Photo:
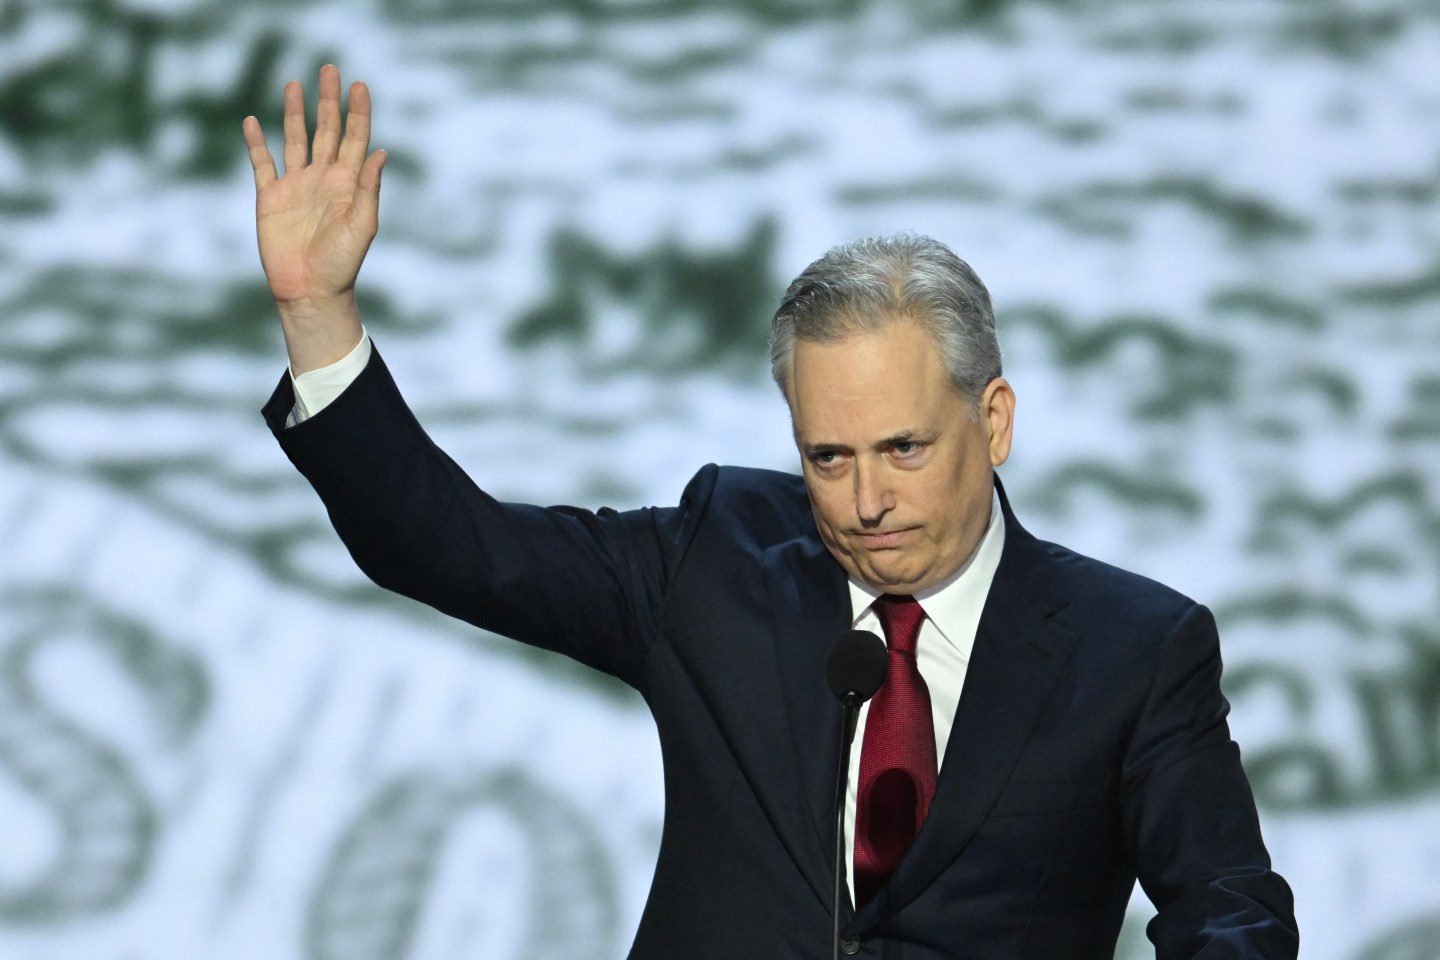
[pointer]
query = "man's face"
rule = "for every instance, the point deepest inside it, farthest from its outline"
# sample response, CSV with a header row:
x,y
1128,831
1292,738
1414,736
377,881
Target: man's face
x,y
899,470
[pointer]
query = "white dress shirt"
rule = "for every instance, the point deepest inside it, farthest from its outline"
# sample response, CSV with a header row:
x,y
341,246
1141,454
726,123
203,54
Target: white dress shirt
x,y
942,651
315,390
952,609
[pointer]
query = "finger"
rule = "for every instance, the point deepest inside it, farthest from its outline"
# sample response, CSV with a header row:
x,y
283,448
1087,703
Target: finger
x,y
367,194
295,147
260,160
327,116
357,127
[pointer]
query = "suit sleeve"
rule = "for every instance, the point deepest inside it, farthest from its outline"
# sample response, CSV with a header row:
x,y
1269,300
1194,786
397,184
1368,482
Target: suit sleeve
x,y
586,584
1190,818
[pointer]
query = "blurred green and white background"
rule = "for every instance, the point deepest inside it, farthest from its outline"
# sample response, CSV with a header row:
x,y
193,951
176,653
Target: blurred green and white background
x,y
1212,230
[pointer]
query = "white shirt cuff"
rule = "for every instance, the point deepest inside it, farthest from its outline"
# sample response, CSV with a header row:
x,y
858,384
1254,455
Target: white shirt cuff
x,y
317,389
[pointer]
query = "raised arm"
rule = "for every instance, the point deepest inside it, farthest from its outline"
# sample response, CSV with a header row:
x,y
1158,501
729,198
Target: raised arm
x,y
315,223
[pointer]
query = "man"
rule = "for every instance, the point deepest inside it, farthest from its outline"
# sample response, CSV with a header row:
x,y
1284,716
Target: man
x,y
1050,727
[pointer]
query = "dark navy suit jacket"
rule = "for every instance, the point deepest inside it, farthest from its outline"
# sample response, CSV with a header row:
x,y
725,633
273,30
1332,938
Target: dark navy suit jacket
x,y
1089,747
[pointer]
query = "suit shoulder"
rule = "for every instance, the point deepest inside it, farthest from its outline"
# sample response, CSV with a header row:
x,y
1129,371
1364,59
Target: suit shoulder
x,y
1100,591
767,506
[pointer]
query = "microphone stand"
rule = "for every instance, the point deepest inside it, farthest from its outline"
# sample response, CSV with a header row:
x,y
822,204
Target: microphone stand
x,y
851,718
856,669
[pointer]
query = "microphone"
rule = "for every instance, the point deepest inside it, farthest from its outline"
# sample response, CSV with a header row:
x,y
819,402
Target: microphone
x,y
856,669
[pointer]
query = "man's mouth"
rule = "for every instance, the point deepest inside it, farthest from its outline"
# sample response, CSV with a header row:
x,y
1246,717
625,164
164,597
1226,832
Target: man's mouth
x,y
883,539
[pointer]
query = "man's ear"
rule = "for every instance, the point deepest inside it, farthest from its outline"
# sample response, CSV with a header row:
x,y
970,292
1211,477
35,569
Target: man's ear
x,y
997,410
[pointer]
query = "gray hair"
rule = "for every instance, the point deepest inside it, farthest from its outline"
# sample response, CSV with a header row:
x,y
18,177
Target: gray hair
x,y
865,285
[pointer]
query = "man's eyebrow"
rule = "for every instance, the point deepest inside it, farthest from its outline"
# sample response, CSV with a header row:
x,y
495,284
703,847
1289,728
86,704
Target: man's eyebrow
x,y
906,436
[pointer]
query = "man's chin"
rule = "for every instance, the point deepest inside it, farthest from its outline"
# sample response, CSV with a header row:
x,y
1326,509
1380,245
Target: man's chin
x,y
888,570
887,578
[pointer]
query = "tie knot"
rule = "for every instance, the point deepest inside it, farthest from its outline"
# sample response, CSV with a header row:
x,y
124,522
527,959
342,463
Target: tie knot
x,y
900,618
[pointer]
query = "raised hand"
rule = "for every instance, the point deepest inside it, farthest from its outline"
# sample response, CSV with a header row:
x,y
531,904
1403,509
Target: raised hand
x,y
315,223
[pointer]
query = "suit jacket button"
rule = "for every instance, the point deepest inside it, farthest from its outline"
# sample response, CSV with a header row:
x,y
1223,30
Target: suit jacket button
x,y
850,946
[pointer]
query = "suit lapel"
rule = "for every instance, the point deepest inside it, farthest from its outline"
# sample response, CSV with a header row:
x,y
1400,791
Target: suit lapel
x,y
810,607
1019,654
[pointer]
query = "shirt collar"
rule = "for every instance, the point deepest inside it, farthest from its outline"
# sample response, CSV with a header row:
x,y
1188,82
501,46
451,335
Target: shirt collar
x,y
952,606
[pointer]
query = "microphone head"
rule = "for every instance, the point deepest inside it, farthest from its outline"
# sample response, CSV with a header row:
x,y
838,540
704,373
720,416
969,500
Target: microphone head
x,y
857,665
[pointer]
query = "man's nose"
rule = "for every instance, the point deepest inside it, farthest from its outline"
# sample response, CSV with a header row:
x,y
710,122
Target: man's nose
x,y
873,496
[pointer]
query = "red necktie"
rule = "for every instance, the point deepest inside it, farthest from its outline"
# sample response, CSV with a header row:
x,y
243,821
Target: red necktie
x,y
897,758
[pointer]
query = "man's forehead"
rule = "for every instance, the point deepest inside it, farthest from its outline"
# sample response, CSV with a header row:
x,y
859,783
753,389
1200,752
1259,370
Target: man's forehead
x,y
849,419
896,367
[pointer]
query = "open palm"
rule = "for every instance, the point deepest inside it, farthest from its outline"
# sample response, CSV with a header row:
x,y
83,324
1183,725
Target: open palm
x,y
315,223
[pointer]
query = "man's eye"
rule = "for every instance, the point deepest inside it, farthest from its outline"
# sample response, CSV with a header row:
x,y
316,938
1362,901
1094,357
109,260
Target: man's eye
x,y
906,448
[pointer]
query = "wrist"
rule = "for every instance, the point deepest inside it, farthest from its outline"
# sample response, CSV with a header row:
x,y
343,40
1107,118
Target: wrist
x,y
306,313
319,332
